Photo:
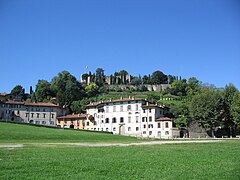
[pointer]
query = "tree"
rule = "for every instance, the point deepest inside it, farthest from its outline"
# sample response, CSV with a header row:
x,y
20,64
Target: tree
x,y
228,98
235,110
43,91
136,81
178,87
99,77
17,90
66,88
145,79
159,77
205,108
123,74
85,77
91,89
193,86
19,93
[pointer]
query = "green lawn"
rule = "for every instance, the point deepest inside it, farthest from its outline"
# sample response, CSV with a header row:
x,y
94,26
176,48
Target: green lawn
x,y
177,161
217,160
17,133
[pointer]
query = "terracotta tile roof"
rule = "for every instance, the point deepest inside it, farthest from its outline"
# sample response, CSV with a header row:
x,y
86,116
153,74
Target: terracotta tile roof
x,y
151,105
73,116
164,119
93,104
32,103
14,102
40,104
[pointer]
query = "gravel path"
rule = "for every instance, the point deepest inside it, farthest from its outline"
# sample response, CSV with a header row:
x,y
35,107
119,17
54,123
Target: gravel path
x,y
109,144
133,144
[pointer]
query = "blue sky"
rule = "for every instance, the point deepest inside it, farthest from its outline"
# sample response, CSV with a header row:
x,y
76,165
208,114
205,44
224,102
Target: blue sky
x,y
40,38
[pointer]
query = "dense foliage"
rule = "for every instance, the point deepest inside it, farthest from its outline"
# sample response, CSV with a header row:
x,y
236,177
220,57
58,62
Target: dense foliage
x,y
189,100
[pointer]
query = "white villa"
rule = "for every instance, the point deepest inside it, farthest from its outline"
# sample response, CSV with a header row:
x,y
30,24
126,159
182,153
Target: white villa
x,y
130,116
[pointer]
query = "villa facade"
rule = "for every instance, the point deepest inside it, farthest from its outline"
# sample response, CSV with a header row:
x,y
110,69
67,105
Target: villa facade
x,y
29,112
130,116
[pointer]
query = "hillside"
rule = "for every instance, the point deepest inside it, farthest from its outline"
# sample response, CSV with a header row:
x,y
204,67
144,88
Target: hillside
x,y
18,133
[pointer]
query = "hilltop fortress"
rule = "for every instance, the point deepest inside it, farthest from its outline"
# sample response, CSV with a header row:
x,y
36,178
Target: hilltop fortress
x,y
124,81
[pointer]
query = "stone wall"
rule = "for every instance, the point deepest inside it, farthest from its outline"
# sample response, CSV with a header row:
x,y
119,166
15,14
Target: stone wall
x,y
149,87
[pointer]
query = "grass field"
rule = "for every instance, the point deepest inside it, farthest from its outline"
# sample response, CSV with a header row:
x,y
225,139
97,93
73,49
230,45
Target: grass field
x,y
17,133
219,160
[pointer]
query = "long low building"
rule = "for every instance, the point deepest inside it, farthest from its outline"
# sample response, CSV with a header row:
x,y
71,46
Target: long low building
x,y
132,117
31,112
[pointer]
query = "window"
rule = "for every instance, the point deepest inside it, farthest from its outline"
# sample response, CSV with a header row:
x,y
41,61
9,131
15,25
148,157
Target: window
x,y
102,129
144,110
107,109
136,107
167,133
144,132
166,124
107,120
143,119
150,125
137,128
150,118
106,129
137,119
51,122
87,123
121,108
150,110
95,123
121,120
150,132
32,115
37,115
114,108
129,128
129,107
52,115
159,125
26,115
43,109
114,129
102,121
37,122
44,115
43,122
18,112
129,119
114,120
144,126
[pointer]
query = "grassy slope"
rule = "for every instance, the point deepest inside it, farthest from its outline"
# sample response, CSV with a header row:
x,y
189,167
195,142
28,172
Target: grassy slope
x,y
16,133
178,161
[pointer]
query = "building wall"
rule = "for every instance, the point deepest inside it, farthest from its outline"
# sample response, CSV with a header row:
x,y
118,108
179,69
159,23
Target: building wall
x,y
129,118
30,114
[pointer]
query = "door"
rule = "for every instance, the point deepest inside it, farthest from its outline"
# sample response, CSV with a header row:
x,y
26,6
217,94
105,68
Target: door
x,y
122,130
159,134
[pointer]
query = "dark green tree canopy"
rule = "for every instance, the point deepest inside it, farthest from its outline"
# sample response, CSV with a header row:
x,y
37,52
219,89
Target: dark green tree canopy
x,y
43,91
158,77
66,88
205,108
17,90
